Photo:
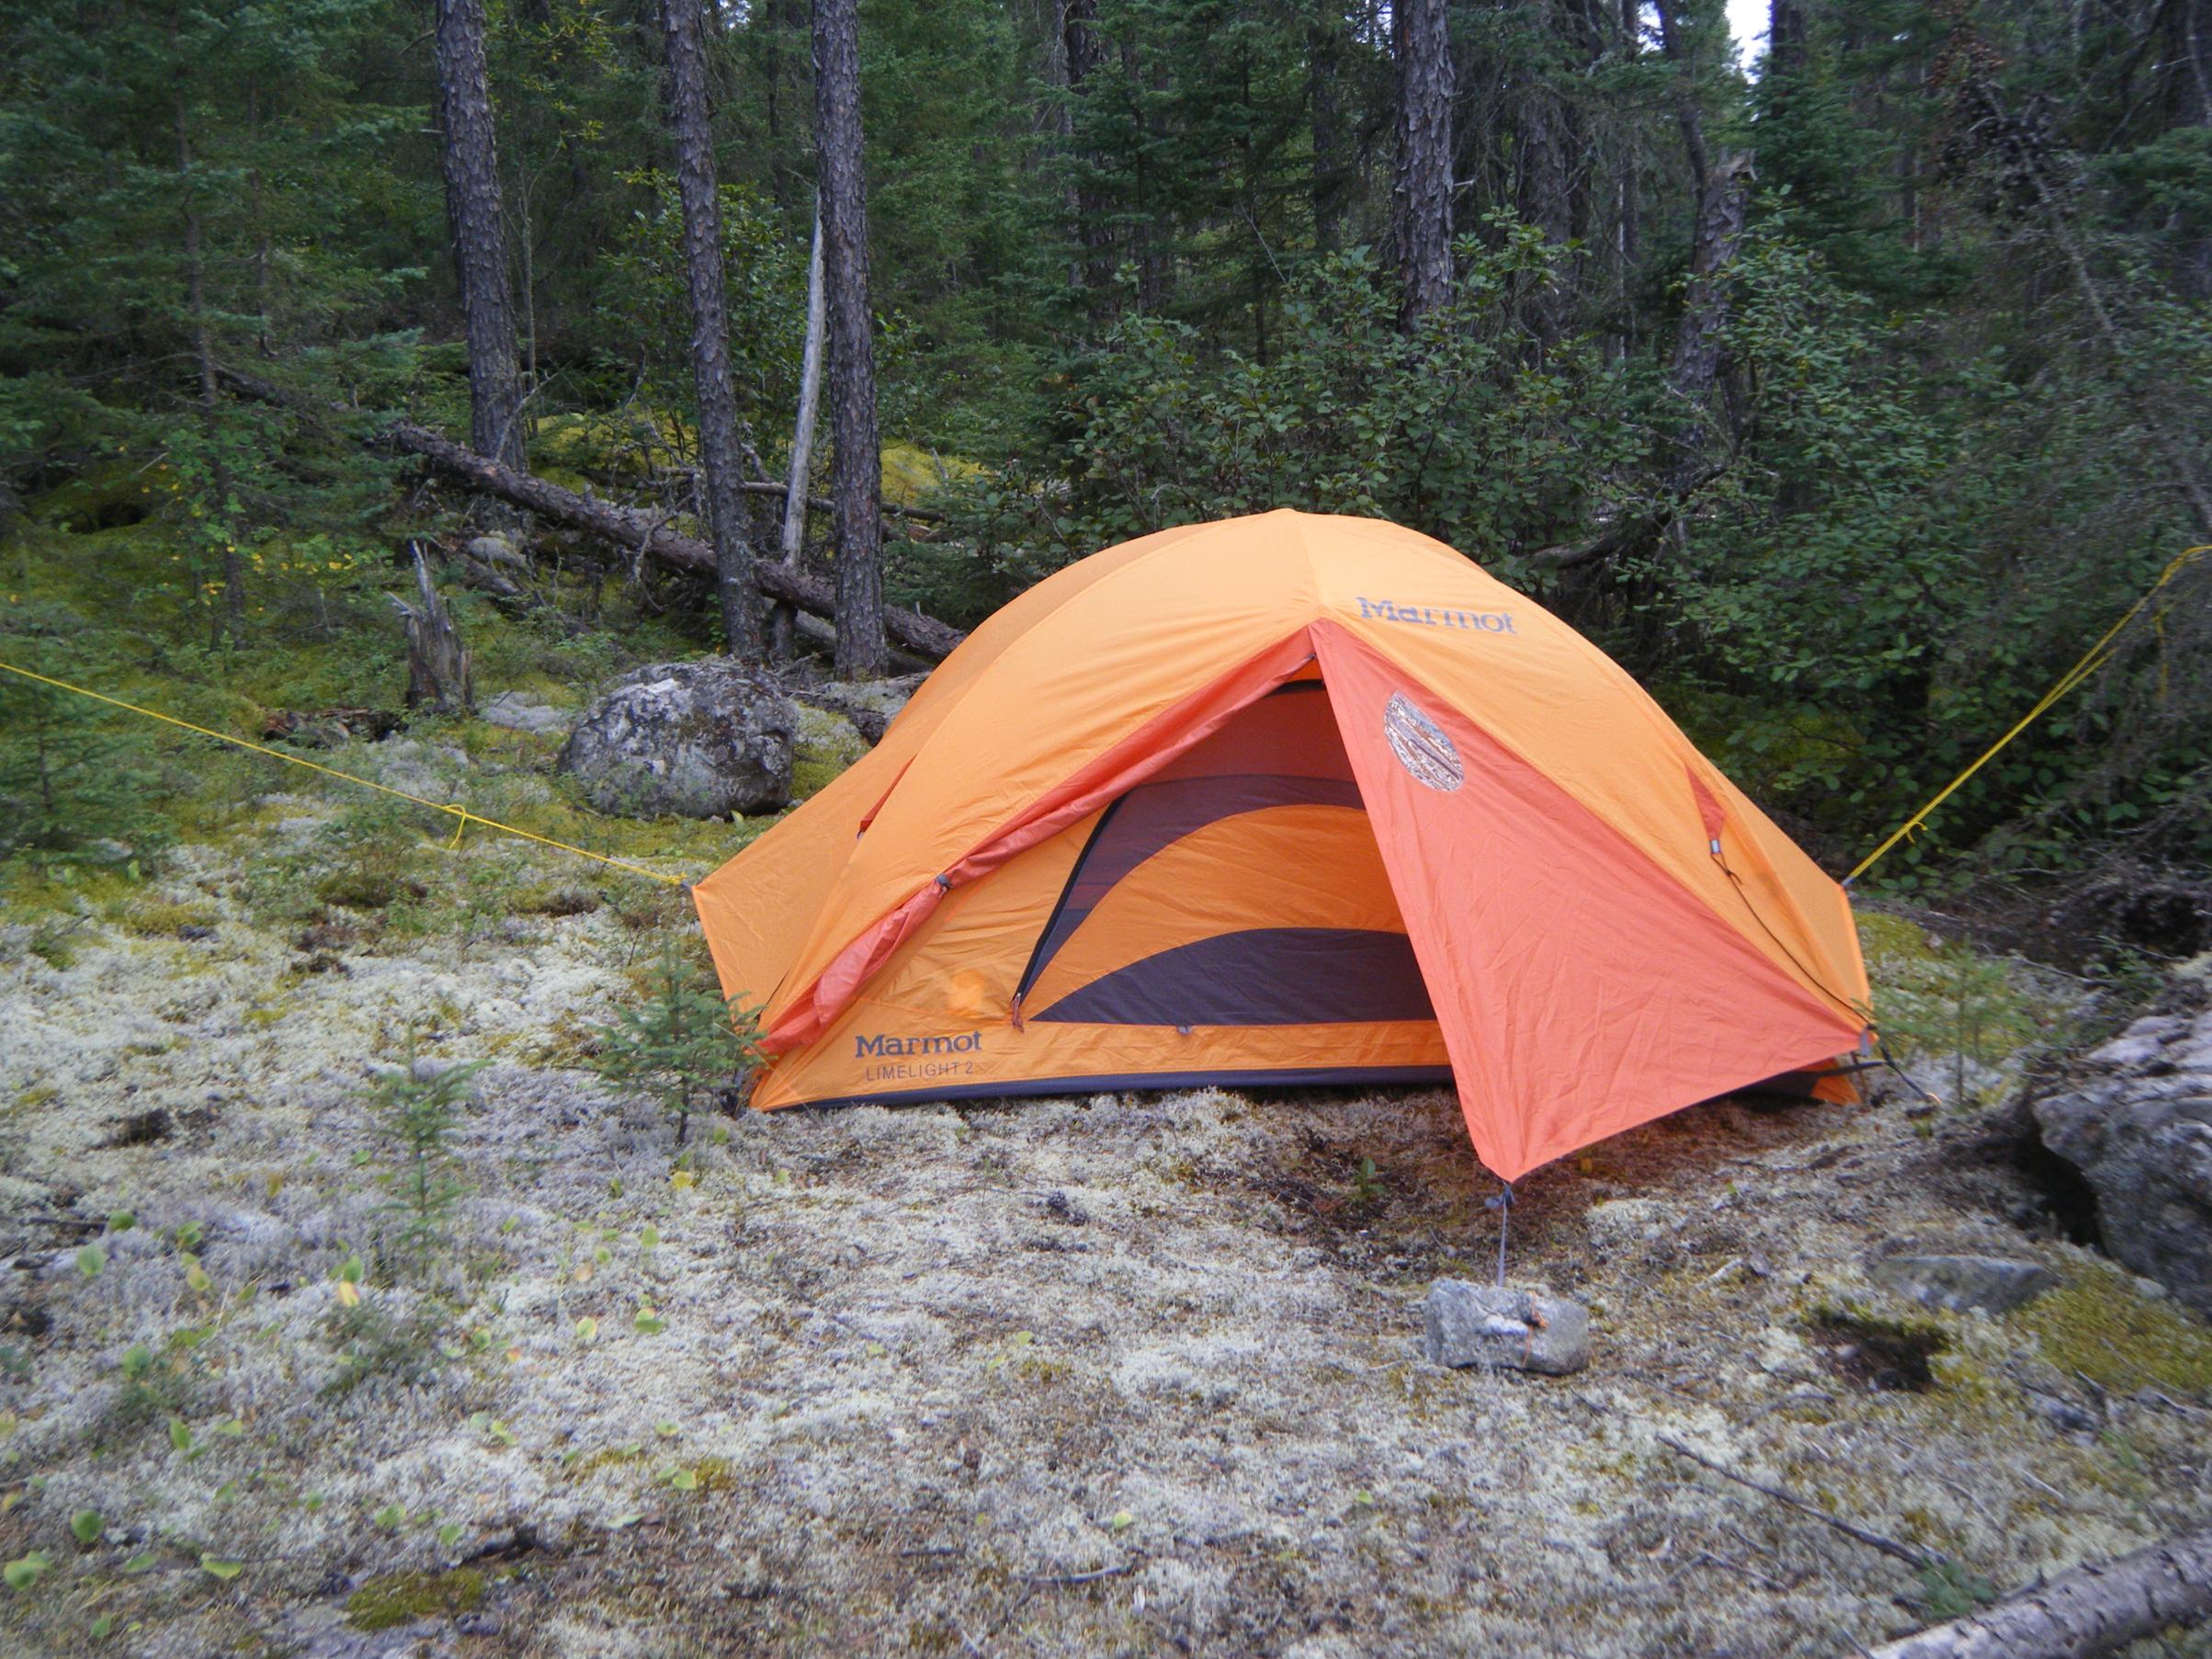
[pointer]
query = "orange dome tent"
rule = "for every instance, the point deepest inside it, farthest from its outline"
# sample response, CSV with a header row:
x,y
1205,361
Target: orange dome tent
x,y
1288,799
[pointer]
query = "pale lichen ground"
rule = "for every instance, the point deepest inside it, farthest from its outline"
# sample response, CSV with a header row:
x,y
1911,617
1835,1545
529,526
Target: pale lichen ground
x,y
1120,1375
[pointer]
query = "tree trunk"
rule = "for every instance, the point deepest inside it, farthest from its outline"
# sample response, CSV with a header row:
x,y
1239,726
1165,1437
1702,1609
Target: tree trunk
x,y
230,605
1421,190
1324,54
437,662
1081,51
2090,1610
480,241
1673,43
719,449
803,440
1548,198
1784,38
857,461
2187,57
1705,304
649,533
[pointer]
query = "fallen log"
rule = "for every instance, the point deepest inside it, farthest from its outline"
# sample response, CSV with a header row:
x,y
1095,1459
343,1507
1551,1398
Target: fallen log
x,y
925,637
652,536
2090,1610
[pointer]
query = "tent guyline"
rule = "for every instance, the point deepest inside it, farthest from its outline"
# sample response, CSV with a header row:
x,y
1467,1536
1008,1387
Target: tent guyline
x,y
2095,658
461,813
1290,799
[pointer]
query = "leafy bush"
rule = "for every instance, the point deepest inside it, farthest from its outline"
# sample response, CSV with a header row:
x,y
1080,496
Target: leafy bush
x,y
1456,428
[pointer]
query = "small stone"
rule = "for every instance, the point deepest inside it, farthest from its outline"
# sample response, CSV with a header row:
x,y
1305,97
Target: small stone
x,y
1466,1324
1994,1284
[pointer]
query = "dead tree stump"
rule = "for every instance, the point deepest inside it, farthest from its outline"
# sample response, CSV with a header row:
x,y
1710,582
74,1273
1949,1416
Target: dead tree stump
x,y
437,662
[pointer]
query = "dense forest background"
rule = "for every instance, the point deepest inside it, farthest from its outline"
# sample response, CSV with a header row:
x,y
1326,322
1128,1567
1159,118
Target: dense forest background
x,y
1846,397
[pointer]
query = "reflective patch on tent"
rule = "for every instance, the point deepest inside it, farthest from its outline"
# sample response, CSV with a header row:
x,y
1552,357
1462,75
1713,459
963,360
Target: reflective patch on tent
x,y
1421,745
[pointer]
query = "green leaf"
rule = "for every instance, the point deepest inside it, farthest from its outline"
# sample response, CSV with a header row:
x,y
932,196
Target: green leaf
x,y
103,1627
92,1261
683,1480
224,1570
140,1562
391,1516
180,1434
87,1526
650,1322
449,1534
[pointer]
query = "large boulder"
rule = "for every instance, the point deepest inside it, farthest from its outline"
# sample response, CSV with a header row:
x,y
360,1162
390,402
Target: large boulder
x,y
2136,1119
705,739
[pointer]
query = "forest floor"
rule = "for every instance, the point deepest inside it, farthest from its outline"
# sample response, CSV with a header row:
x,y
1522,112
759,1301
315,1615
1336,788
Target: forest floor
x,y
1125,1374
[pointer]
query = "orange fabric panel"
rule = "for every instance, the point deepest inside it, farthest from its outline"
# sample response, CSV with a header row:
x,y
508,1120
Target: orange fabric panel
x,y
1581,989
1543,691
1124,650
1281,866
952,983
758,909
811,995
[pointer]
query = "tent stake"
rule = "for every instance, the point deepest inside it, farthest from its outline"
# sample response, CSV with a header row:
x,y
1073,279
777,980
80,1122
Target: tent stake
x,y
1502,1204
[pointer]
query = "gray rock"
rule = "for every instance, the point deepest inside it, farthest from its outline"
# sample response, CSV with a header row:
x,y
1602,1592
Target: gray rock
x,y
498,550
699,740
1464,1323
870,705
520,713
1995,1284
2136,1119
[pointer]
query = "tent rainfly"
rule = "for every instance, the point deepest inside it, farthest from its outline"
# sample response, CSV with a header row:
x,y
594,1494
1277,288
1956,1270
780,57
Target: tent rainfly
x,y
1288,799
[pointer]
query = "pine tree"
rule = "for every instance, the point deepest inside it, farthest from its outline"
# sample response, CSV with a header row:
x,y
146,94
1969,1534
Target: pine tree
x,y
857,470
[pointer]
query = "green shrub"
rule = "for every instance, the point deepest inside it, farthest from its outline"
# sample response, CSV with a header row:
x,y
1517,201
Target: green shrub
x,y
683,1039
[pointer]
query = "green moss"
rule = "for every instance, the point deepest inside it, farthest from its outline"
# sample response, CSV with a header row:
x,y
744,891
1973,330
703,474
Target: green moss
x,y
399,1597
366,888
119,493
2101,1327
911,473
554,899
827,743
159,918
631,441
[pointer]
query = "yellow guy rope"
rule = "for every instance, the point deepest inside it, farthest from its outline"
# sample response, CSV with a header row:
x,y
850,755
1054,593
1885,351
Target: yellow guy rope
x,y
462,812
2095,658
